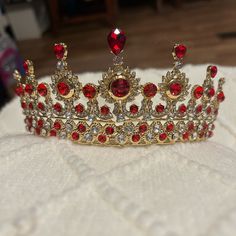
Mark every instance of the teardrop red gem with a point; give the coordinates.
(116, 40)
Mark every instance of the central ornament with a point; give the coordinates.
(120, 88)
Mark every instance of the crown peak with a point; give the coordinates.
(116, 40)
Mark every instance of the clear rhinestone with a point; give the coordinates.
(175, 136)
(91, 118)
(118, 60)
(178, 64)
(68, 115)
(60, 65)
(47, 125)
(121, 138)
(194, 136)
(129, 129)
(120, 118)
(49, 113)
(34, 123)
(200, 127)
(156, 128)
(149, 137)
(146, 116)
(43, 132)
(88, 137)
(63, 134)
(69, 127)
(94, 130)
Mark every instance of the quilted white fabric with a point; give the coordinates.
(53, 187)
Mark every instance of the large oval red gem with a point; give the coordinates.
(63, 88)
(42, 89)
(120, 87)
(89, 91)
(150, 90)
(116, 40)
(175, 88)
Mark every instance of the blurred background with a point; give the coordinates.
(29, 28)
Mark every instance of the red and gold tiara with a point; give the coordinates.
(110, 112)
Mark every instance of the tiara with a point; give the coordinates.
(119, 110)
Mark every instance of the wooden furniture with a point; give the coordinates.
(159, 4)
(110, 13)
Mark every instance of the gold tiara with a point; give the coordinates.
(110, 112)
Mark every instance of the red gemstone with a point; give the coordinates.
(208, 110)
(105, 110)
(53, 132)
(160, 108)
(75, 136)
(190, 126)
(26, 67)
(182, 109)
(41, 106)
(81, 128)
(199, 109)
(150, 90)
(57, 125)
(175, 88)
(40, 123)
(116, 40)
(57, 107)
(205, 126)
(180, 51)
(19, 90)
(31, 106)
(23, 105)
(89, 91)
(37, 131)
(102, 138)
(143, 128)
(29, 89)
(133, 109)
(213, 71)
(109, 130)
(210, 134)
(42, 89)
(63, 88)
(211, 92)
(185, 136)
(220, 97)
(59, 51)
(29, 121)
(163, 136)
(120, 87)
(198, 92)
(170, 127)
(79, 108)
(135, 138)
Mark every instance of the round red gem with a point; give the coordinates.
(40, 123)
(105, 110)
(208, 110)
(79, 108)
(57, 107)
(182, 109)
(133, 109)
(175, 88)
(120, 87)
(211, 92)
(57, 125)
(185, 136)
(190, 126)
(59, 51)
(19, 90)
(53, 132)
(42, 89)
(170, 127)
(198, 92)
(159, 108)
(75, 136)
(143, 128)
(150, 90)
(41, 106)
(26, 67)
(163, 136)
(205, 126)
(63, 88)
(199, 109)
(23, 105)
(31, 106)
(220, 97)
(102, 138)
(29, 89)
(213, 71)
(109, 130)
(180, 51)
(81, 128)
(89, 91)
(116, 40)
(135, 138)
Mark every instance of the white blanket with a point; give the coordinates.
(54, 187)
